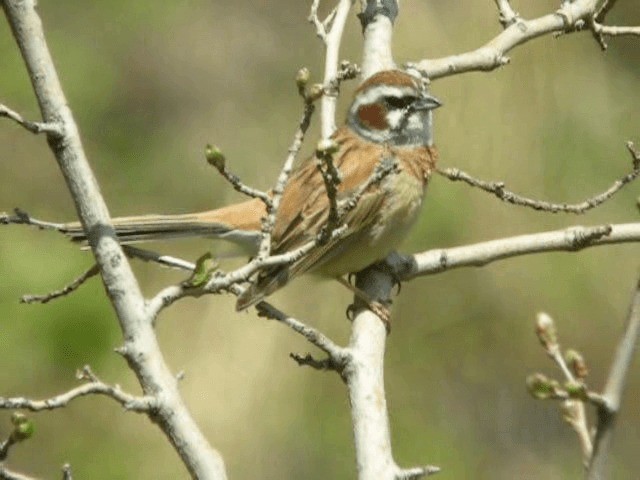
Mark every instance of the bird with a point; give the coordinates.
(388, 120)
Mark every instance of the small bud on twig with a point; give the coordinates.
(577, 363)
(315, 92)
(22, 427)
(546, 331)
(575, 389)
(302, 78)
(541, 387)
(214, 156)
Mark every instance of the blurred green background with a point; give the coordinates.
(151, 83)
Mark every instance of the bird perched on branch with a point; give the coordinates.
(389, 120)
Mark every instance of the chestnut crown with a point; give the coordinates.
(393, 107)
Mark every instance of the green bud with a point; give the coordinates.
(23, 428)
(577, 390)
(214, 156)
(205, 265)
(540, 386)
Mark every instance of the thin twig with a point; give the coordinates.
(6, 474)
(20, 217)
(323, 365)
(417, 472)
(93, 387)
(321, 28)
(269, 221)
(604, 9)
(507, 14)
(574, 412)
(498, 189)
(616, 31)
(67, 474)
(34, 127)
(332, 42)
(165, 260)
(66, 290)
(216, 158)
(332, 178)
(338, 354)
(493, 53)
(385, 167)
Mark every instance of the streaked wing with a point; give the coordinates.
(304, 212)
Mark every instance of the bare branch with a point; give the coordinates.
(338, 355)
(604, 9)
(20, 217)
(417, 472)
(66, 290)
(50, 128)
(491, 55)
(332, 42)
(67, 474)
(569, 240)
(272, 208)
(616, 31)
(94, 387)
(309, 361)
(216, 158)
(498, 189)
(573, 409)
(141, 348)
(616, 383)
(385, 167)
(507, 15)
(377, 26)
(321, 27)
(224, 281)
(332, 178)
(6, 474)
(165, 260)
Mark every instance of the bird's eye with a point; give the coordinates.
(399, 102)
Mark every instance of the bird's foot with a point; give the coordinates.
(380, 309)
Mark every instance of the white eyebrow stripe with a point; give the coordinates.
(377, 92)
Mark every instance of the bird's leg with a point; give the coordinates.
(379, 308)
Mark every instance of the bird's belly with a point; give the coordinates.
(393, 222)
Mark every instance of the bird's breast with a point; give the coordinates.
(399, 211)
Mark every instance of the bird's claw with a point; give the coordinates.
(381, 310)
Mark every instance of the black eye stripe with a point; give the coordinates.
(399, 102)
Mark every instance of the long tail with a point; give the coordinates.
(238, 223)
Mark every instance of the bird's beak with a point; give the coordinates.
(427, 102)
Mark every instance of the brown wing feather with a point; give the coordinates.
(305, 208)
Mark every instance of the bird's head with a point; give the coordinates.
(393, 107)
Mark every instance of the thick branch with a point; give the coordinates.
(569, 240)
(141, 349)
(569, 17)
